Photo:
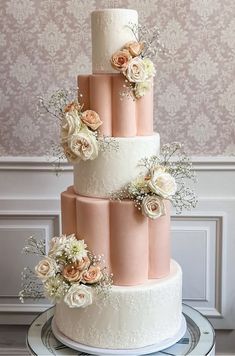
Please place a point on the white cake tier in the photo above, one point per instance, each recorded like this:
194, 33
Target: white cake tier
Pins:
113, 169
130, 317
110, 31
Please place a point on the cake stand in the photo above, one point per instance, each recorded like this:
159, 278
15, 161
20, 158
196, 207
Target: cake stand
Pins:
199, 339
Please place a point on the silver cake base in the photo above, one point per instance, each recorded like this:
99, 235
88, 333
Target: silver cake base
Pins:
137, 352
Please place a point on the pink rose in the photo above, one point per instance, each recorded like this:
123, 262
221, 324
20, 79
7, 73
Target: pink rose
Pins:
92, 275
120, 59
71, 272
91, 119
135, 48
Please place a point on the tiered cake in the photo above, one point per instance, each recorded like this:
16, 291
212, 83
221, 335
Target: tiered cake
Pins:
144, 304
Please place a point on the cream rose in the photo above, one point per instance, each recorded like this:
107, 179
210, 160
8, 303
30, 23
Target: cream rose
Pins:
91, 119
135, 48
153, 207
83, 145
46, 268
71, 272
70, 124
136, 71
149, 68
71, 157
120, 59
78, 296
162, 183
92, 275
142, 88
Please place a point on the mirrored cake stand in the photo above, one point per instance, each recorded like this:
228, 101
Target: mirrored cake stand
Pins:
198, 340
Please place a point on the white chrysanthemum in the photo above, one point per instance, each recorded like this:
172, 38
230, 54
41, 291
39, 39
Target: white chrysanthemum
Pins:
142, 88
55, 288
149, 68
75, 249
57, 246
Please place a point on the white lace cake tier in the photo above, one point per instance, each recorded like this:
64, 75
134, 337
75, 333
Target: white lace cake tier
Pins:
110, 31
113, 169
130, 317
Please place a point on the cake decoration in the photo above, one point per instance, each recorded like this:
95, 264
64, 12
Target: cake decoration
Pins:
164, 179
133, 61
80, 138
69, 272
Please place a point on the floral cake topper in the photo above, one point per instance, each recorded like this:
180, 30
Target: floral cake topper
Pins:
70, 272
133, 60
164, 178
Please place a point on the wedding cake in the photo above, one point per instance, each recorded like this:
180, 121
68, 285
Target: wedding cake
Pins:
144, 304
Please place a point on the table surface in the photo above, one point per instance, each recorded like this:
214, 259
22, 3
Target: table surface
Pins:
199, 338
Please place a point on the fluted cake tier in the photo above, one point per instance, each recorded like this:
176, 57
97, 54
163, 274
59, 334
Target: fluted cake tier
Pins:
122, 117
113, 169
130, 317
135, 248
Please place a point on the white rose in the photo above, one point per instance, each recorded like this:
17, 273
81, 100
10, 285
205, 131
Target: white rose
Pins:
84, 145
78, 296
142, 88
162, 183
149, 68
136, 71
70, 124
46, 268
153, 207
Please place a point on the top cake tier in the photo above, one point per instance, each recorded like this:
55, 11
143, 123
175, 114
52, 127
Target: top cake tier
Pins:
110, 31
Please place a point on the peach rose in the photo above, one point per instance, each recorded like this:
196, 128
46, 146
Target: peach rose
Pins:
91, 119
92, 275
135, 48
72, 106
120, 59
71, 272
84, 263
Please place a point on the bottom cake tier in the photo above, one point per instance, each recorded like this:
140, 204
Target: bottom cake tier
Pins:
129, 317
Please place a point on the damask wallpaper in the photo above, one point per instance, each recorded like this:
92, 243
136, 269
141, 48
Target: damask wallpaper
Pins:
44, 44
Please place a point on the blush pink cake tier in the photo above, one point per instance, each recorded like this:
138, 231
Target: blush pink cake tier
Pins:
144, 241
114, 112
145, 304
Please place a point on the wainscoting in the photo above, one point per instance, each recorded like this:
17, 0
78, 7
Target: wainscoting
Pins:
203, 241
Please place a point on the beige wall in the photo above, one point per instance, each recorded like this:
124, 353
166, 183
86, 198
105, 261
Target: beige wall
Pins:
45, 44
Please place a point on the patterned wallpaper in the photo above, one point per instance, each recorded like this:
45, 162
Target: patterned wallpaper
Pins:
44, 44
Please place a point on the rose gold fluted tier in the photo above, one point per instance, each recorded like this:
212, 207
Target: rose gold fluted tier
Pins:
122, 117
135, 248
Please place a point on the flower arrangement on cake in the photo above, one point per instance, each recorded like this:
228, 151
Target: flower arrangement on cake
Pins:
133, 60
80, 138
69, 272
164, 178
